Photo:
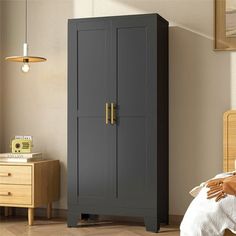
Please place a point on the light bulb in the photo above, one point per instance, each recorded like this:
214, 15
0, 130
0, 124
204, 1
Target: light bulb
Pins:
25, 68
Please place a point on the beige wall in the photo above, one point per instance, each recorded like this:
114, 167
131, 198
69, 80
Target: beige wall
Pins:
233, 80
201, 84
199, 94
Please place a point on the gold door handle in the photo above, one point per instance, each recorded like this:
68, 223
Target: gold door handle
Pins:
5, 174
5, 194
107, 111
113, 113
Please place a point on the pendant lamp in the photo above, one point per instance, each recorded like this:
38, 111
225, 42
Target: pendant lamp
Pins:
25, 59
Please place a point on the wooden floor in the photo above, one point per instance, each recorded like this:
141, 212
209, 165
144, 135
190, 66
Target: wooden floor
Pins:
12, 226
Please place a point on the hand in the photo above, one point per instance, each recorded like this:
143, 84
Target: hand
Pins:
216, 189
219, 188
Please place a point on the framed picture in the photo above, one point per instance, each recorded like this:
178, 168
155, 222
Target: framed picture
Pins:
225, 25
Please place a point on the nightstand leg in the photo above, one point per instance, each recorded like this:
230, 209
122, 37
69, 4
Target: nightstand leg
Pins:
49, 210
30, 216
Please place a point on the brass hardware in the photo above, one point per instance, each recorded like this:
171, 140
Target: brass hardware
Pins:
113, 113
5, 174
107, 111
5, 194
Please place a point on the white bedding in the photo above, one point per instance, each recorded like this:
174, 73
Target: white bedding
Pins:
209, 218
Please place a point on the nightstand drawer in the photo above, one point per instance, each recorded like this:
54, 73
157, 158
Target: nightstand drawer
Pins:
15, 194
15, 174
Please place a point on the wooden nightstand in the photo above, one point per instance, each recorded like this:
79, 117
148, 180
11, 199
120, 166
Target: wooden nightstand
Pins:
30, 185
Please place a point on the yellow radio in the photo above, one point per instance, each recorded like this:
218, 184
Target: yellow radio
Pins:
21, 144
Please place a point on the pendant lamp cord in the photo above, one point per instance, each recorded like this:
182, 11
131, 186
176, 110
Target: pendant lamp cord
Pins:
26, 21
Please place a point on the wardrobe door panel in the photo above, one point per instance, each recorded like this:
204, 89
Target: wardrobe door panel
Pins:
93, 69
131, 159
132, 66
94, 162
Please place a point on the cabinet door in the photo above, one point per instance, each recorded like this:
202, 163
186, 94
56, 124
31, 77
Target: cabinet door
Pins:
91, 163
134, 41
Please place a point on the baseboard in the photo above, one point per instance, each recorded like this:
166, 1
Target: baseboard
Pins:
41, 212
62, 213
175, 219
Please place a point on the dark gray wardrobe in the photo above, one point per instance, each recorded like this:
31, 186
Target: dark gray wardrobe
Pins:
118, 118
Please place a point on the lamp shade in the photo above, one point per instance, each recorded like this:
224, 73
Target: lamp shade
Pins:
25, 59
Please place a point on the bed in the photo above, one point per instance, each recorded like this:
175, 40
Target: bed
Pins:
206, 217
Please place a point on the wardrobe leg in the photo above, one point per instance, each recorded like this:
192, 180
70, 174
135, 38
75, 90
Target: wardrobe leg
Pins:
152, 224
72, 219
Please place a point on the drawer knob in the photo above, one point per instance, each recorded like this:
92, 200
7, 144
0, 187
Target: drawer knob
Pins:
5, 194
5, 174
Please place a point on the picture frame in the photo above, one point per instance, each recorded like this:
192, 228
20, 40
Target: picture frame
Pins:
225, 25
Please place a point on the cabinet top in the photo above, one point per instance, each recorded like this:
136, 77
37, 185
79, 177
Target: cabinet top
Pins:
153, 15
26, 163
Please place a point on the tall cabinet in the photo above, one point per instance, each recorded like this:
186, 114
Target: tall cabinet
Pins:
118, 118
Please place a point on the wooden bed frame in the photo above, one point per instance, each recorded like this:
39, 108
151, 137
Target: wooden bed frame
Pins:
229, 142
